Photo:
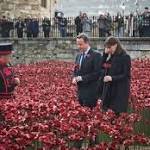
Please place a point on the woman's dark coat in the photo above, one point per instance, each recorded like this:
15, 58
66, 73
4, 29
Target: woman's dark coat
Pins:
115, 94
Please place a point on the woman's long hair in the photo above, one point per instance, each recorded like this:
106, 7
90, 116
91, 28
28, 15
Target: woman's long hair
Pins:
111, 41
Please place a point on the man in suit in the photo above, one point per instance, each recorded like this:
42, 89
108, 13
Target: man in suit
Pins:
87, 72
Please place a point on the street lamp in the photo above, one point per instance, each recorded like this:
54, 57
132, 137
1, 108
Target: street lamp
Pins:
50, 8
123, 7
14, 9
137, 6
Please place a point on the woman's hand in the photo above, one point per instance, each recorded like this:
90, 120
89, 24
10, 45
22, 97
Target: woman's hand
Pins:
107, 51
107, 79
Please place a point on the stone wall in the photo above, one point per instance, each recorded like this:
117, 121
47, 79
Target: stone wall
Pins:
34, 50
25, 8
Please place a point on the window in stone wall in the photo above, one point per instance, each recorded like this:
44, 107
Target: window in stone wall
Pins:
44, 3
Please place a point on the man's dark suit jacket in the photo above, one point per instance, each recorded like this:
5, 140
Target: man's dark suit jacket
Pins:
90, 72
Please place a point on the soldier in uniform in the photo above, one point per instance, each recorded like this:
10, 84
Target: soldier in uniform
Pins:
8, 80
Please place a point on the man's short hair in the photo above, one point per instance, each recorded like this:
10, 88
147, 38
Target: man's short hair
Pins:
84, 37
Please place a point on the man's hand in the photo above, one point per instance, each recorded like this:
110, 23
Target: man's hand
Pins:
17, 81
76, 79
107, 79
79, 78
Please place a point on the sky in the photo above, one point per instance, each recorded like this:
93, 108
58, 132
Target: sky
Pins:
95, 7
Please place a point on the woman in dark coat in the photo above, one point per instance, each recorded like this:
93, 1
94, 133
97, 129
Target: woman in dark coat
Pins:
115, 82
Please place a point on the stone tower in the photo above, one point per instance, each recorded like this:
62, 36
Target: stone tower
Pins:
25, 8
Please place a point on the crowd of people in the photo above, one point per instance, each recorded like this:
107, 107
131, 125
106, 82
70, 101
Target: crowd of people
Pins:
28, 26
105, 25
119, 25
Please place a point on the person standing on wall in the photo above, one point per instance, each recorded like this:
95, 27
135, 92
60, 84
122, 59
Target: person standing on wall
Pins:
46, 25
6, 27
87, 25
145, 23
62, 25
20, 26
78, 23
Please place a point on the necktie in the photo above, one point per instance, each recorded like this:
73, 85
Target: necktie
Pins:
81, 59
